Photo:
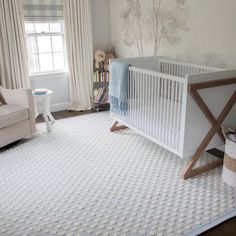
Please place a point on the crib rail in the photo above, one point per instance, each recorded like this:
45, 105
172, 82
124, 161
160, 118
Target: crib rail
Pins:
156, 106
182, 69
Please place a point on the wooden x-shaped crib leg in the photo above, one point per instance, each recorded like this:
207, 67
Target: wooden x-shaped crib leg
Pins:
115, 126
190, 171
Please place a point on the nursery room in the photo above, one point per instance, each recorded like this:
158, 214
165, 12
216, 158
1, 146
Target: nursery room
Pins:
117, 117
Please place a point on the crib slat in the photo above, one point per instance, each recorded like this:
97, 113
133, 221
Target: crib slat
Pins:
169, 112
176, 112
179, 111
164, 110
134, 94
154, 105
142, 91
161, 108
145, 121
158, 106
131, 96
138, 102
128, 100
149, 104
174, 115
143, 100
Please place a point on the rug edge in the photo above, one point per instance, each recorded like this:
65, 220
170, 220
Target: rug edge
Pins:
220, 219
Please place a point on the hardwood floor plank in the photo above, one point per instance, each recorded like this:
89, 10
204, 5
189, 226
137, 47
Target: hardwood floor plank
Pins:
64, 114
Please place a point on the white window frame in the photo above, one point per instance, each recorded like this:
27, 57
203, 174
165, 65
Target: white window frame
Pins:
36, 35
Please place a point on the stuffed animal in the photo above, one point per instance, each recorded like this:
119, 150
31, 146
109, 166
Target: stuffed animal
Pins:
99, 57
109, 56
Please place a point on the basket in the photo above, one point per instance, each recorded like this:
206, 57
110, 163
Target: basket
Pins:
229, 168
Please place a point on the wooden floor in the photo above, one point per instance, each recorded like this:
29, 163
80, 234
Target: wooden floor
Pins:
64, 114
227, 228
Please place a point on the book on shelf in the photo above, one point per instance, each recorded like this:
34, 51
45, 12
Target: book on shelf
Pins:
101, 76
41, 91
101, 95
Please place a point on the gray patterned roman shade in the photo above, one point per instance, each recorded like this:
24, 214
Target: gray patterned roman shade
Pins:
43, 10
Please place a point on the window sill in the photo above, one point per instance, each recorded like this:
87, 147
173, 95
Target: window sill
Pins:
49, 75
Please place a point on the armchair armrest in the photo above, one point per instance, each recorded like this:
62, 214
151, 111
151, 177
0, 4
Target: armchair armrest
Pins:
20, 97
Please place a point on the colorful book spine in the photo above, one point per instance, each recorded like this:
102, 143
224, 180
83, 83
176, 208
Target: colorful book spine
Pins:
101, 95
101, 76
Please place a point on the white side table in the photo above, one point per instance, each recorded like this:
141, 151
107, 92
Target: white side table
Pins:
45, 99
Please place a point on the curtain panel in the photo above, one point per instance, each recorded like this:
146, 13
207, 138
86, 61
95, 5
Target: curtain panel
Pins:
13, 53
78, 25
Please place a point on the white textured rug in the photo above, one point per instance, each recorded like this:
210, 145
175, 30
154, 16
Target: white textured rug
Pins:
83, 180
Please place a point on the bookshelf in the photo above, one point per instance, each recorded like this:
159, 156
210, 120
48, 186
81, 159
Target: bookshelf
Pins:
101, 79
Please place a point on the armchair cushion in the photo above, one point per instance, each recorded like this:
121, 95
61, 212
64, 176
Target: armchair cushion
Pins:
23, 98
12, 114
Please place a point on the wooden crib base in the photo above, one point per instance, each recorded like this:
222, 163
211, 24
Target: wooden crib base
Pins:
116, 127
190, 171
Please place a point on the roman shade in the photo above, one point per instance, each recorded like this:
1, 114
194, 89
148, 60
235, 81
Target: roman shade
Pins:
43, 10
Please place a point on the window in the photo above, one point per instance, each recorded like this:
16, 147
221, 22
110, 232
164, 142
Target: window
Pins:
46, 47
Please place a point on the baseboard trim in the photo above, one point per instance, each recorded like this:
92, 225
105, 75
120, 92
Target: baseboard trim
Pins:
55, 107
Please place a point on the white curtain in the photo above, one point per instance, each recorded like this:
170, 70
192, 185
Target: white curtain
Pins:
13, 53
80, 52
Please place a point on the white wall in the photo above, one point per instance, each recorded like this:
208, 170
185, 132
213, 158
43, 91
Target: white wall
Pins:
210, 38
58, 82
101, 23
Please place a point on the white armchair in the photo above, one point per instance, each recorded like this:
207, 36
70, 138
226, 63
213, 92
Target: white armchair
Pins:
17, 115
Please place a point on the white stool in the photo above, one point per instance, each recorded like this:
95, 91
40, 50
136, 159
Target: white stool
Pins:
45, 99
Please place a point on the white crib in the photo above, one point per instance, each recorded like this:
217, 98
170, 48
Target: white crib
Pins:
161, 109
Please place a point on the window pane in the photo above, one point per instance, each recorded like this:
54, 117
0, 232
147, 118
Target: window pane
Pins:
59, 61
31, 44
44, 44
33, 63
46, 62
57, 43
29, 27
55, 27
41, 27
45, 51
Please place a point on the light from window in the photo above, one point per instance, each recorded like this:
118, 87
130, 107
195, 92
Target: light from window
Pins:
46, 47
